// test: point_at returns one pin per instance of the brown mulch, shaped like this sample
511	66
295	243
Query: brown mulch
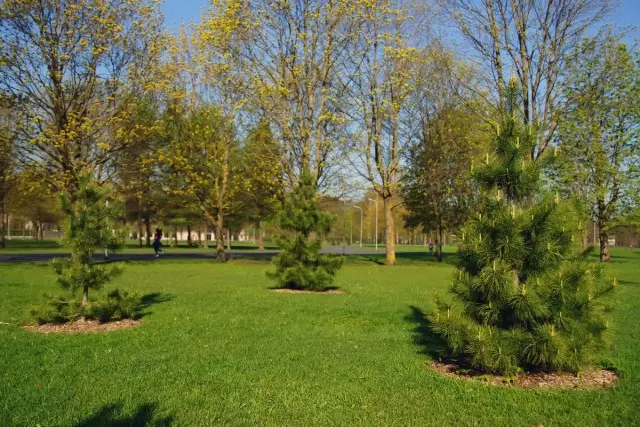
304	291
588	379
82	325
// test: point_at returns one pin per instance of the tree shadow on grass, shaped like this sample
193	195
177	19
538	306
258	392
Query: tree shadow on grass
111	415
429	342
149	300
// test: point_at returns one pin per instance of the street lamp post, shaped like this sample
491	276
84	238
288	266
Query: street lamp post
358	207
376	202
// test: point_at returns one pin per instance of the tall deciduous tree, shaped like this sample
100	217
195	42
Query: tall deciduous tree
7	160
438	191
204	155
384	77
264	172
598	134
74	66
528	39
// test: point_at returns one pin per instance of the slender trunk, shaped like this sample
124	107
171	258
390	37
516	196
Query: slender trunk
389	231
424	239
2	227
175	237
585	238
439	240
41	228
85	295
205	243
139	227
228	239
147	221
189	242
261	235
604	243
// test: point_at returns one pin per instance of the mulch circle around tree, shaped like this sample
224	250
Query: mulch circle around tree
82	325
602	378
305	291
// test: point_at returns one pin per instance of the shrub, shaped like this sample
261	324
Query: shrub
117	305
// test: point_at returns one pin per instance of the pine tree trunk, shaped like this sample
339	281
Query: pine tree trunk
189	242
261	235
604	244
85	295
389	231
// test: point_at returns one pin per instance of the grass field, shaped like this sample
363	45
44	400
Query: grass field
216	347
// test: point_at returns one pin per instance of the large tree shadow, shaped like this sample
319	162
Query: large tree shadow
149	300
111	416
430	343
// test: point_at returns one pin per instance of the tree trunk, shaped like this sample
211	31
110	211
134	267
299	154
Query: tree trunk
85	295
139	228
147	221
439	240
228	239
389	231
220	255
175	237
189	242
3	229
585	237
205	243
604	244
41	228
261	235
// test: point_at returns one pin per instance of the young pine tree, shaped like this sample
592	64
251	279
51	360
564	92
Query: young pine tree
300	265
87	227
525	297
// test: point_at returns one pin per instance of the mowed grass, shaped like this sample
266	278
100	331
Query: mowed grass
219	348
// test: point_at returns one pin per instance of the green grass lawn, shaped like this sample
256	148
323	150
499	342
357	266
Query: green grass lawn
219	348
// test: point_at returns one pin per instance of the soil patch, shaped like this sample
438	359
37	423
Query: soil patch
82	326
304	291
601	378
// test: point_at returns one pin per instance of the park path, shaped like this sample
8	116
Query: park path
234	254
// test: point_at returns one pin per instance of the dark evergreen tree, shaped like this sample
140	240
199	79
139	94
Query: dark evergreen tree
525	296
300	265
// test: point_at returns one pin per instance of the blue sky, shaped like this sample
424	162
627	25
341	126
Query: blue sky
178	11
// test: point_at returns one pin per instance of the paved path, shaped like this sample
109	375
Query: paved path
235	254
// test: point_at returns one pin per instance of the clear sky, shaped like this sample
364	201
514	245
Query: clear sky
178	11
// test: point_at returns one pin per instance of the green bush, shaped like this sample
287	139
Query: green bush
56	309
117	305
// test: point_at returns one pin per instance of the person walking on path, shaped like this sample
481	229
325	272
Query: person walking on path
157	242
